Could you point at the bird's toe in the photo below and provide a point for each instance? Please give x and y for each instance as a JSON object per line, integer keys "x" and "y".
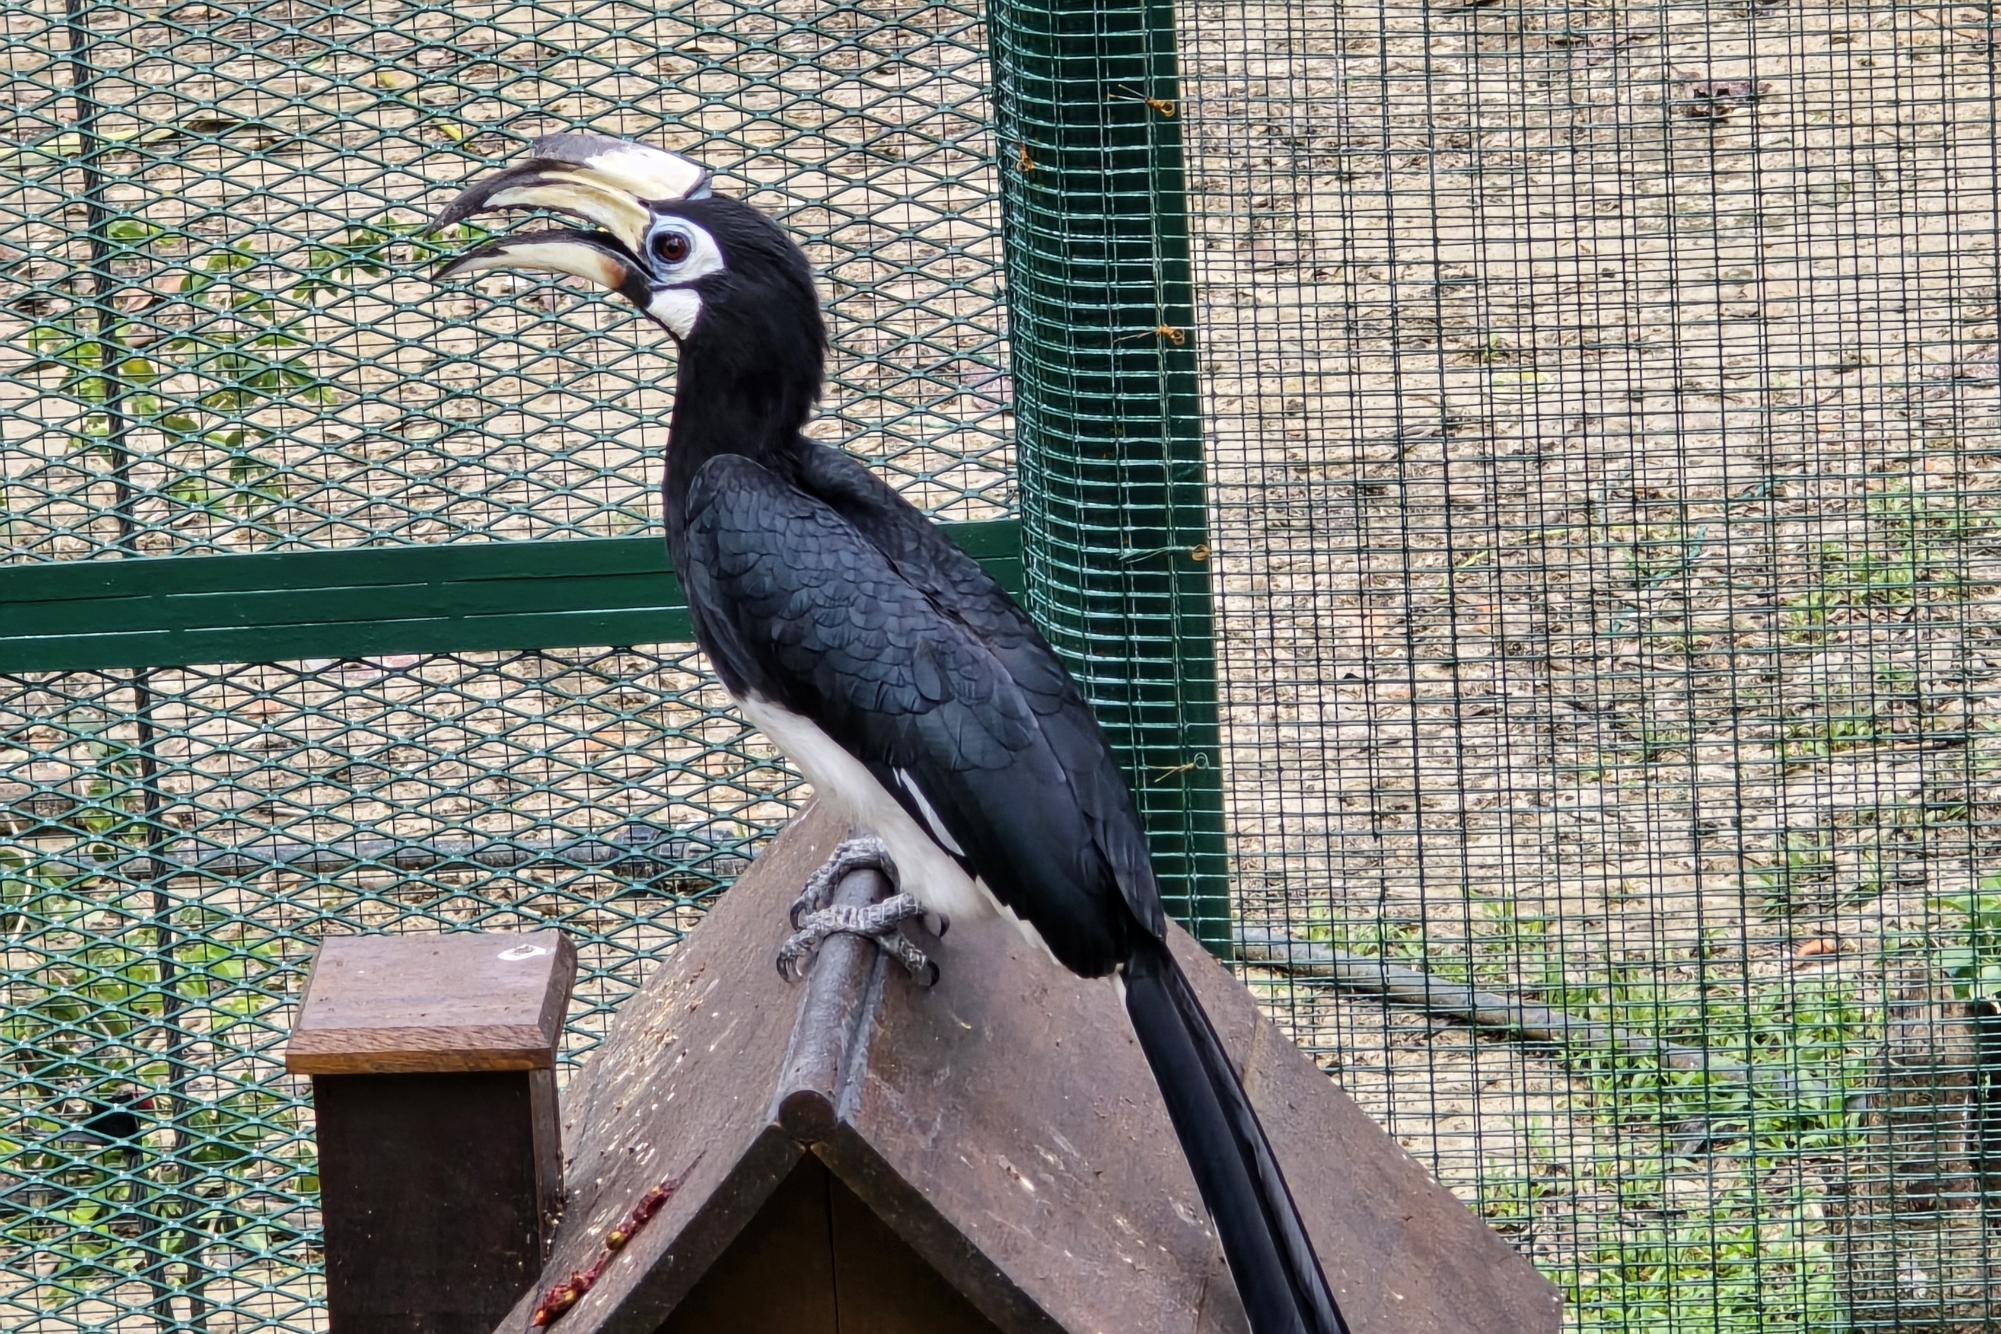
{"x": 796, "y": 954}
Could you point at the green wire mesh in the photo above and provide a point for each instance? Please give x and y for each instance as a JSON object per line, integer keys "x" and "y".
{"x": 159, "y": 918}
{"x": 1601, "y": 403}
{"x": 1604, "y": 534}
{"x": 213, "y": 217}
{"x": 216, "y": 338}
{"x": 1115, "y": 537}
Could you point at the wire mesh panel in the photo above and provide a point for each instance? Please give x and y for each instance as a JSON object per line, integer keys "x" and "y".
{"x": 161, "y": 895}
{"x": 206, "y": 205}
{"x": 216, "y": 341}
{"x": 1600, "y": 415}
{"x": 1601, "y": 403}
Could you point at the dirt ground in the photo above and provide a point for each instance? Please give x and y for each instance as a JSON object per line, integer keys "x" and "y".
{"x": 1601, "y": 404}
{"x": 1603, "y": 421}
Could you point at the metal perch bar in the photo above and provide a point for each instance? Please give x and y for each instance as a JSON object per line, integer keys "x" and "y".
{"x": 1509, "y": 1014}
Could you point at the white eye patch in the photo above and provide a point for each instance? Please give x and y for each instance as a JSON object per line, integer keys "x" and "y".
{"x": 677, "y": 305}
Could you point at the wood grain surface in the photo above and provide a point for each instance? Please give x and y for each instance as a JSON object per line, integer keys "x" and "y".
{"x": 1003, "y": 1126}
{"x": 423, "y": 1004}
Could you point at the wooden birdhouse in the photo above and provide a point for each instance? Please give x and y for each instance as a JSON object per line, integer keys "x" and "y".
{"x": 991, "y": 1154}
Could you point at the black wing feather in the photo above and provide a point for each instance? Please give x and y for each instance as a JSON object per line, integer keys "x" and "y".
{"x": 799, "y": 607}
{"x": 953, "y": 581}
{"x": 840, "y": 602}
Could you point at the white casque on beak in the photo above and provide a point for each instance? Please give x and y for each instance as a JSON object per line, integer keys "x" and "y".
{"x": 609, "y": 183}
{"x": 650, "y": 174}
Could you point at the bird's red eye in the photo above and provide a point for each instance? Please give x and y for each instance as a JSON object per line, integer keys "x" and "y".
{"x": 672, "y": 247}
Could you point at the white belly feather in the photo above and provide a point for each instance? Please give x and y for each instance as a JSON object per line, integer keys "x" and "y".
{"x": 845, "y": 784}
{"x": 926, "y": 871}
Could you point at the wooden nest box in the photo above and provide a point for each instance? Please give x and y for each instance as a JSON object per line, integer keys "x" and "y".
{"x": 856, "y": 1154}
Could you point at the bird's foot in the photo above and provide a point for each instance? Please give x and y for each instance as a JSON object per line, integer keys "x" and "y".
{"x": 854, "y": 854}
{"x": 881, "y": 922}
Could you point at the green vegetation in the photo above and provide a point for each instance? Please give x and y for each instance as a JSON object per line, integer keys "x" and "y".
{"x": 1973, "y": 959}
{"x": 98, "y": 993}
{"x": 1709, "y": 1217}
{"x": 1909, "y": 549}
{"x": 1800, "y": 877}
{"x": 1746, "y": 1259}
{"x": 204, "y": 380}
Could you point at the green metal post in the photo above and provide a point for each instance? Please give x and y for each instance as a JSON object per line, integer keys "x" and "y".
{"x": 1114, "y": 496}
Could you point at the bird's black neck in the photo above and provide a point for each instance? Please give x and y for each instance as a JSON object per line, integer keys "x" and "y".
{"x": 753, "y": 407}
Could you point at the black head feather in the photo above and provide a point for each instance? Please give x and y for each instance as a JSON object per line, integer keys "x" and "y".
{"x": 760, "y": 340}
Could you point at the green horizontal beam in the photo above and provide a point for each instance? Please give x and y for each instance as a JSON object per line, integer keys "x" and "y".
{"x": 469, "y": 597}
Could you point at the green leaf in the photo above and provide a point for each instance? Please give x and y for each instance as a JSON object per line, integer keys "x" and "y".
{"x": 194, "y": 492}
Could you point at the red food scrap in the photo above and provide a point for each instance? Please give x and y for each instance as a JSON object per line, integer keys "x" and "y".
{"x": 562, "y": 1296}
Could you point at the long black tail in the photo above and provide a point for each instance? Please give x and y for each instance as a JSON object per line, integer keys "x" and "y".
{"x": 1271, "y": 1258}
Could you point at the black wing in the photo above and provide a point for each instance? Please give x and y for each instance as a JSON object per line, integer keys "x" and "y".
{"x": 956, "y": 583}
{"x": 867, "y": 621}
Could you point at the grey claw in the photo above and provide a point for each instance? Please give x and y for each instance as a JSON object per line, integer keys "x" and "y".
{"x": 850, "y": 855}
{"x": 881, "y": 922}
{"x": 791, "y": 964}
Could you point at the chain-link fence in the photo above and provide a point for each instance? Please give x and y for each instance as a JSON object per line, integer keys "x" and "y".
{"x": 220, "y": 356}
{"x": 1596, "y": 583}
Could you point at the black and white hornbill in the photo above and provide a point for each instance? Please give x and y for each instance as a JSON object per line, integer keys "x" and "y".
{"x": 912, "y": 692}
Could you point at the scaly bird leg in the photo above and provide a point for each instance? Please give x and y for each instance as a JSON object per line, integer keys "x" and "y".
{"x": 854, "y": 854}
{"x": 814, "y": 917}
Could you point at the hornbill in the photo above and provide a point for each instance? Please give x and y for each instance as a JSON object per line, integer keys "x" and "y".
{"x": 912, "y": 692}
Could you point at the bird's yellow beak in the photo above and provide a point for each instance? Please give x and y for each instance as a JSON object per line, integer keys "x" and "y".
{"x": 613, "y": 184}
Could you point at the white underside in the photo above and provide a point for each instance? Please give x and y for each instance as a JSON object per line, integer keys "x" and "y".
{"x": 844, "y": 784}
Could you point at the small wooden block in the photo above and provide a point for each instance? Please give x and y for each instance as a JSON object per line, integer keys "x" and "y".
{"x": 437, "y": 1195}
{"x": 433, "y": 1004}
